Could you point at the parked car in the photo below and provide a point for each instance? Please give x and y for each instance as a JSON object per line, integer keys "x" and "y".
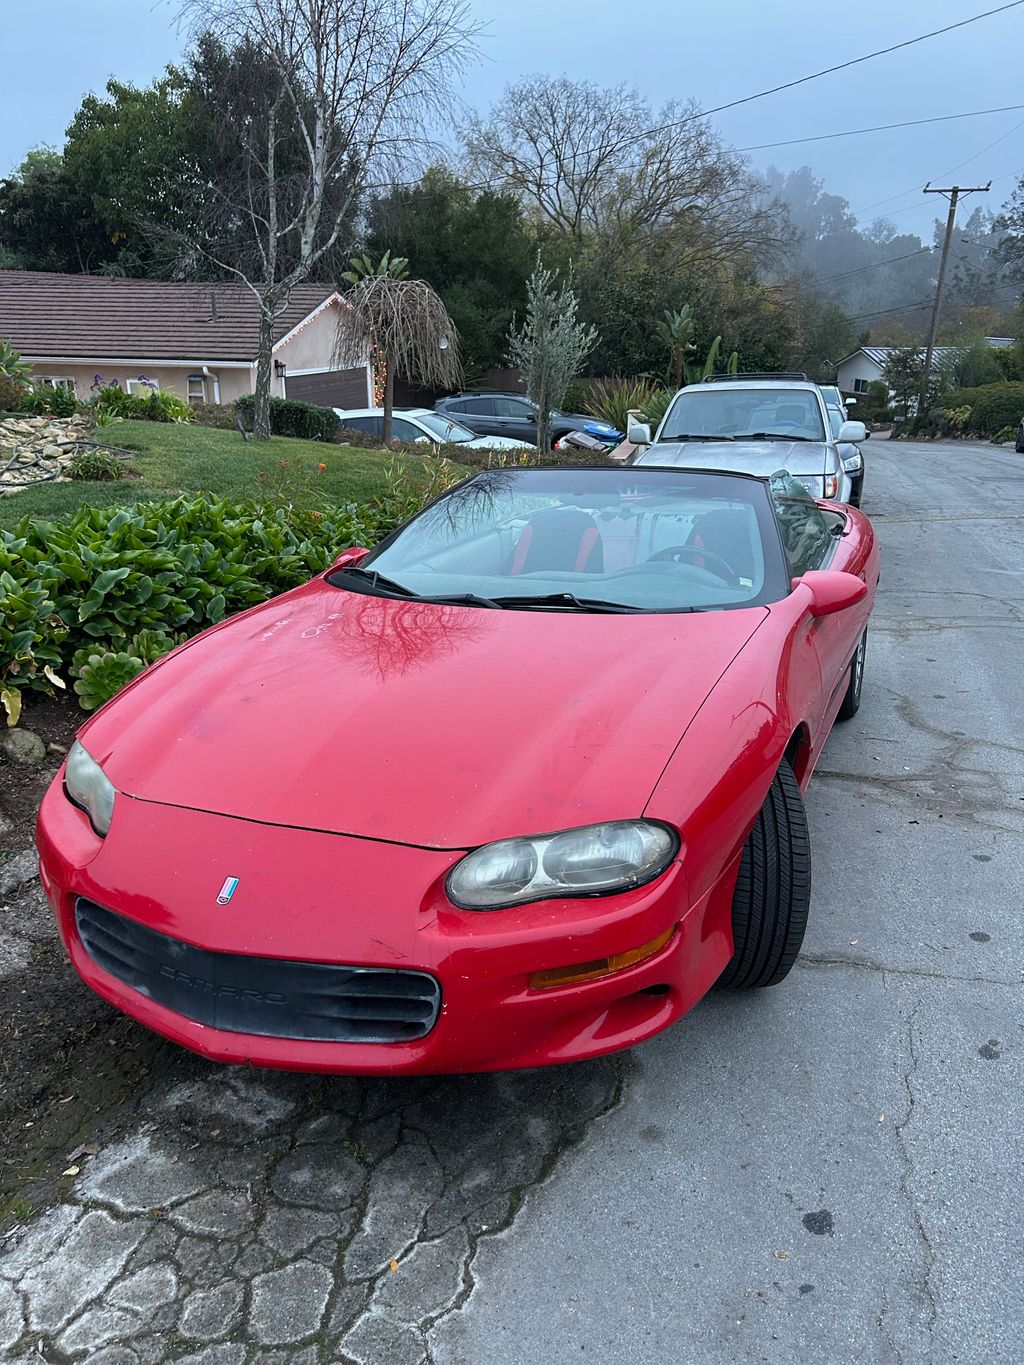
{"x": 510, "y": 414}
{"x": 421, "y": 424}
{"x": 834, "y": 399}
{"x": 753, "y": 426}
{"x": 851, "y": 455}
{"x": 515, "y": 788}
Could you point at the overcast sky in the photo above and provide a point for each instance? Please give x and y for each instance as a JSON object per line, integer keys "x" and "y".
{"x": 56, "y": 50}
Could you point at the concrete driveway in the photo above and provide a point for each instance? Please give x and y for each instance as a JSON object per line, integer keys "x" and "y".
{"x": 828, "y": 1171}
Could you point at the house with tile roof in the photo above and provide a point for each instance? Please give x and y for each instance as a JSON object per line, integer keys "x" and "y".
{"x": 857, "y": 370}
{"x": 198, "y": 341}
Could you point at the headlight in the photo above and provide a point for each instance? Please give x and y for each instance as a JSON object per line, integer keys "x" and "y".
{"x": 596, "y": 860}
{"x": 853, "y": 464}
{"x": 89, "y": 788}
{"x": 809, "y": 482}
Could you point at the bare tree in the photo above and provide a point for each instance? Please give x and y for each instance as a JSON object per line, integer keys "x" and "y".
{"x": 593, "y": 161}
{"x": 304, "y": 102}
{"x": 550, "y": 347}
{"x": 408, "y": 328}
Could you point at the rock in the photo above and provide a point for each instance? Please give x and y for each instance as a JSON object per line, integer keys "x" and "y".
{"x": 23, "y": 746}
{"x": 23, "y": 867}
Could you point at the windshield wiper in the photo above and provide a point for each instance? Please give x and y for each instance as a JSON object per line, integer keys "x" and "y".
{"x": 687, "y": 436}
{"x": 566, "y": 599}
{"x": 772, "y": 436}
{"x": 387, "y": 587}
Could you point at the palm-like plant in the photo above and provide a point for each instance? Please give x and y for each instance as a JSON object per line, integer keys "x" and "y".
{"x": 363, "y": 268}
{"x": 11, "y": 364}
{"x": 408, "y": 328}
{"x": 676, "y": 331}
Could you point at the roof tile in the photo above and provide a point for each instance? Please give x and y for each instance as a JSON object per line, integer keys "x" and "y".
{"x": 97, "y": 317}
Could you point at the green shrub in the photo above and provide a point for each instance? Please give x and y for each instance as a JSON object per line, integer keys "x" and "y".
{"x": 656, "y": 406}
{"x": 219, "y": 415}
{"x": 577, "y": 395}
{"x": 96, "y": 466}
{"x": 156, "y": 406}
{"x": 611, "y": 399}
{"x": 291, "y": 418}
{"x": 12, "y": 393}
{"x": 1003, "y": 435}
{"x": 993, "y": 406}
{"x": 100, "y": 676}
{"x": 47, "y": 402}
{"x": 111, "y": 580}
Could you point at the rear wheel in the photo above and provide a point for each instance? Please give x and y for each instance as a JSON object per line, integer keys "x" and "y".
{"x": 773, "y": 889}
{"x": 851, "y": 702}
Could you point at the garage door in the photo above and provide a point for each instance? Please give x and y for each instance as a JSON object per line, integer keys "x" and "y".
{"x": 330, "y": 389}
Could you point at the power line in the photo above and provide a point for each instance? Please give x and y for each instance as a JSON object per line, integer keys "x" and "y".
{"x": 887, "y": 312}
{"x": 862, "y": 270}
{"x": 762, "y": 94}
{"x": 886, "y": 127}
{"x": 842, "y": 66}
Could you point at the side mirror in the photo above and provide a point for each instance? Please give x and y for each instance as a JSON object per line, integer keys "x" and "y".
{"x": 350, "y": 556}
{"x": 852, "y": 432}
{"x": 831, "y": 590}
{"x": 638, "y": 433}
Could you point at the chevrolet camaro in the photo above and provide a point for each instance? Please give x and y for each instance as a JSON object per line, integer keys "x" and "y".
{"x": 516, "y": 787}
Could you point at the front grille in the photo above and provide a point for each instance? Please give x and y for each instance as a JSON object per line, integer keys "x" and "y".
{"x": 265, "y": 995}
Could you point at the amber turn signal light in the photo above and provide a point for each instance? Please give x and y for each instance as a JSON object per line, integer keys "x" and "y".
{"x": 604, "y": 966}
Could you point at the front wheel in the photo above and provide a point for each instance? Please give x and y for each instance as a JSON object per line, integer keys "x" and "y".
{"x": 773, "y": 889}
{"x": 851, "y": 701}
{"x": 1019, "y": 445}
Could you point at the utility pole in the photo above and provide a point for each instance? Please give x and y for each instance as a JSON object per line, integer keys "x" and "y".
{"x": 953, "y": 194}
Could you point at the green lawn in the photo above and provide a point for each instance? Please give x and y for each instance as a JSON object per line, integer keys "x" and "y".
{"x": 176, "y": 459}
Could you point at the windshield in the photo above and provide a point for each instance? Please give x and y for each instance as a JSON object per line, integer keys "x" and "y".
{"x": 444, "y": 428}
{"x": 587, "y": 539}
{"x": 735, "y": 413}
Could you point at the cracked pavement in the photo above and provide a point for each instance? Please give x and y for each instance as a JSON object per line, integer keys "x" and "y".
{"x": 826, "y": 1171}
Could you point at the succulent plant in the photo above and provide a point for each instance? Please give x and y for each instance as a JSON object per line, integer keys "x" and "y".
{"x": 103, "y": 675}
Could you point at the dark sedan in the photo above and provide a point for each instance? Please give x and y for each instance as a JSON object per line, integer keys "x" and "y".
{"x": 511, "y": 414}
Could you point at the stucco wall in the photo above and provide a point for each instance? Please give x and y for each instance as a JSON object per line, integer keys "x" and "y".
{"x": 233, "y": 382}
{"x": 312, "y": 348}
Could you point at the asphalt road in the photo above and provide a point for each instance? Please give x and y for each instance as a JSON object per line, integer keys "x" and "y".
{"x": 828, "y": 1171}
{"x": 831, "y": 1170}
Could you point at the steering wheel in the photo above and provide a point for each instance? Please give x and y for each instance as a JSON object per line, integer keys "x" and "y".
{"x": 692, "y": 553}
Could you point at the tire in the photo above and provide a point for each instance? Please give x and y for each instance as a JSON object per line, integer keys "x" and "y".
{"x": 854, "y": 688}
{"x": 1019, "y": 445}
{"x": 773, "y": 890}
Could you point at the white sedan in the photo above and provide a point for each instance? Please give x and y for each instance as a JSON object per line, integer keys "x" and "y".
{"x": 421, "y": 424}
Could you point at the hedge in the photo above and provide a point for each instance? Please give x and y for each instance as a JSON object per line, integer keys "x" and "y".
{"x": 291, "y": 418}
{"x": 993, "y": 406}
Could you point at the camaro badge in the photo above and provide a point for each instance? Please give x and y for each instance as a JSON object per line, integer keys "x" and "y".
{"x": 227, "y": 890}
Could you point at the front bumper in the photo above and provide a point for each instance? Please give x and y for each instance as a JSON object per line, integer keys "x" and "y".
{"x": 311, "y": 897}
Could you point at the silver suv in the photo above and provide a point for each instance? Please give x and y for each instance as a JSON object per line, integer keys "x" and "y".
{"x": 755, "y": 426}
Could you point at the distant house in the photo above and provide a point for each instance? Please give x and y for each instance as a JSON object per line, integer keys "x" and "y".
{"x": 856, "y": 371}
{"x": 196, "y": 340}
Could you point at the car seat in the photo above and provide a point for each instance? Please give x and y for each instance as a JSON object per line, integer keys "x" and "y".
{"x": 726, "y": 532}
{"x": 559, "y": 539}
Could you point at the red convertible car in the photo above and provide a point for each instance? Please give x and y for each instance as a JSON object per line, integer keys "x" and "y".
{"x": 516, "y": 787}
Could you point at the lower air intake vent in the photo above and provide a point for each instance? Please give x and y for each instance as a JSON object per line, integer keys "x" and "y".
{"x": 265, "y": 995}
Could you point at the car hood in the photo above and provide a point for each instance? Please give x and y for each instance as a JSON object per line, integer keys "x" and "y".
{"x": 584, "y": 420}
{"x": 437, "y": 726}
{"x": 811, "y": 458}
{"x": 497, "y": 443}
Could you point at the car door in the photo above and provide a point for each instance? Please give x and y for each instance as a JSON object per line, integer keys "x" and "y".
{"x": 515, "y": 418}
{"x": 814, "y": 537}
{"x": 404, "y": 430}
{"x": 478, "y": 415}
